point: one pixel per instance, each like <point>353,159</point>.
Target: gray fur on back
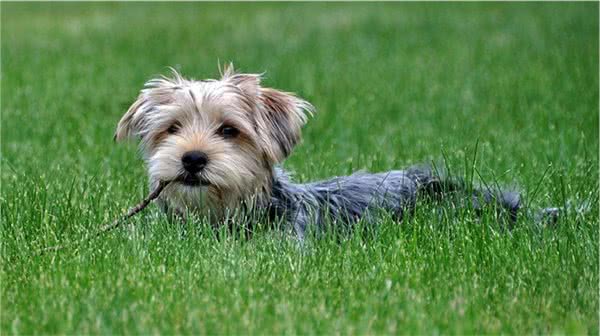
<point>347,199</point>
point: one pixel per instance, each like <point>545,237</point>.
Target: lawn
<point>507,93</point>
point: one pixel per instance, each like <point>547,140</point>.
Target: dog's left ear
<point>279,115</point>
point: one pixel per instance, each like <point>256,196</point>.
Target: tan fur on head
<point>279,115</point>
<point>174,116</point>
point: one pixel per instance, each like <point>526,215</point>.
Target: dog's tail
<point>437,184</point>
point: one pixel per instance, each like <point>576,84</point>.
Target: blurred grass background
<point>393,84</point>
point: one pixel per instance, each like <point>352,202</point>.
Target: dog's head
<point>218,137</point>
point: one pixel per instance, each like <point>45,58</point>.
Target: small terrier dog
<point>221,141</point>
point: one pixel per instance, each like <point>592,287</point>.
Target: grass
<point>394,84</point>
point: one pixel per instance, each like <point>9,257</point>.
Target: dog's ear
<point>130,121</point>
<point>280,118</point>
<point>248,83</point>
<point>156,92</point>
<point>279,115</point>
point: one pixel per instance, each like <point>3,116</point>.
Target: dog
<point>221,142</point>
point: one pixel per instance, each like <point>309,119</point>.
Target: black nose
<point>194,161</point>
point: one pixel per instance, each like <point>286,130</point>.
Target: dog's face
<point>216,139</point>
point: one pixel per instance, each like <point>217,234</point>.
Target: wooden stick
<point>130,213</point>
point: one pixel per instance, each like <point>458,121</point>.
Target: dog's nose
<point>194,161</point>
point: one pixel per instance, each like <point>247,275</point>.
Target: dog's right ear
<point>158,91</point>
<point>129,122</point>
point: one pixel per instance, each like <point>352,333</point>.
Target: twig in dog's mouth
<point>130,213</point>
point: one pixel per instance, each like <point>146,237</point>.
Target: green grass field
<point>394,84</point>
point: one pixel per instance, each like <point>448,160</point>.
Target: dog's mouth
<point>192,180</point>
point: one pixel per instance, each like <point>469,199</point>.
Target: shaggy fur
<point>361,196</point>
<point>239,132</point>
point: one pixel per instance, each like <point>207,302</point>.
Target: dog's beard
<point>184,197</point>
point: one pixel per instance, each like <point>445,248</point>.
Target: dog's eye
<point>174,128</point>
<point>228,131</point>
